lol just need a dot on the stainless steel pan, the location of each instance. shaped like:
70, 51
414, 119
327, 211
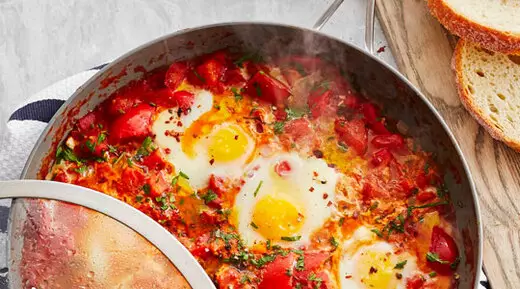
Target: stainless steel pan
381, 82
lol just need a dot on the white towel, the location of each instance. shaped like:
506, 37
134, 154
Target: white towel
23, 129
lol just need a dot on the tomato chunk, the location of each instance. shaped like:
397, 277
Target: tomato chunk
445, 248
134, 124
282, 168
154, 161
312, 262
415, 282
88, 122
275, 273
392, 141
158, 185
381, 157
229, 277
263, 86
299, 129
176, 74
209, 75
424, 196
319, 103
353, 133
121, 104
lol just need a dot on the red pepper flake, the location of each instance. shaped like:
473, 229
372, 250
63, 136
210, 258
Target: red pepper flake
179, 124
329, 204
372, 270
315, 174
348, 276
171, 118
318, 154
325, 196
167, 151
236, 137
311, 189
381, 49
211, 161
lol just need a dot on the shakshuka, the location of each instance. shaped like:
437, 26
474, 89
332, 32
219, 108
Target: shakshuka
274, 173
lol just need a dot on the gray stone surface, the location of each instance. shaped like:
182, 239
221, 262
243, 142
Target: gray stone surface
43, 41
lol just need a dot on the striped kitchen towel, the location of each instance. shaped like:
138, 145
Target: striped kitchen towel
23, 129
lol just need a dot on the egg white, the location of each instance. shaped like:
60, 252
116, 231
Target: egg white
362, 242
306, 173
199, 166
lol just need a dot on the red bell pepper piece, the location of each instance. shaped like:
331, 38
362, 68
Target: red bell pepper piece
319, 103
415, 282
264, 87
209, 75
282, 168
134, 124
381, 157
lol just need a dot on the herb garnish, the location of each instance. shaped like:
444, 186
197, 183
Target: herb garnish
258, 188
254, 225
180, 175
146, 148
434, 258
209, 196
400, 265
237, 94
291, 238
199, 76
278, 127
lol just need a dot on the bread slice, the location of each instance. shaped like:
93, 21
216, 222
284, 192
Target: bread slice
489, 87
494, 24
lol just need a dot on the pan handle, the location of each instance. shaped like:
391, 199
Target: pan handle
369, 21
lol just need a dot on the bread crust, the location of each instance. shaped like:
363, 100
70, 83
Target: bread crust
470, 105
487, 37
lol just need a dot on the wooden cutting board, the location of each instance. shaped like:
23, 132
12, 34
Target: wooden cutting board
423, 52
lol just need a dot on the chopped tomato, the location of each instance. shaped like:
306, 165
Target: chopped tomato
275, 274
298, 129
134, 124
184, 99
121, 104
424, 196
209, 75
217, 185
351, 101
263, 86
61, 176
415, 282
369, 112
353, 133
158, 185
392, 141
282, 168
93, 146
154, 161
280, 114
379, 127
233, 77
319, 103
228, 277
131, 180
312, 262
209, 217
88, 122
445, 248
382, 157
201, 252
176, 74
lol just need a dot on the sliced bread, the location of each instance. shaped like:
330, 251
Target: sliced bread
494, 24
489, 87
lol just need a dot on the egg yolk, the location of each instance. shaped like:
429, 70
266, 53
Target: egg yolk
227, 144
276, 218
375, 270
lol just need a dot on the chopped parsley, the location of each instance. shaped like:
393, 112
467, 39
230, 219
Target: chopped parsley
278, 127
254, 225
434, 258
146, 148
400, 265
432, 274
226, 237
68, 155
294, 113
253, 56
288, 272
209, 196
377, 232
180, 175
440, 203
101, 138
244, 279
199, 76
374, 206
313, 277
333, 242
258, 89
342, 147
146, 189
341, 221
81, 169
90, 145
112, 149
236, 94
138, 198
291, 238
260, 262
258, 188
455, 263
300, 263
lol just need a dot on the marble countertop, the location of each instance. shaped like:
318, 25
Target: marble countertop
44, 41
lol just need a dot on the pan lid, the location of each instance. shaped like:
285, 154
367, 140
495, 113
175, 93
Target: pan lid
54, 241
